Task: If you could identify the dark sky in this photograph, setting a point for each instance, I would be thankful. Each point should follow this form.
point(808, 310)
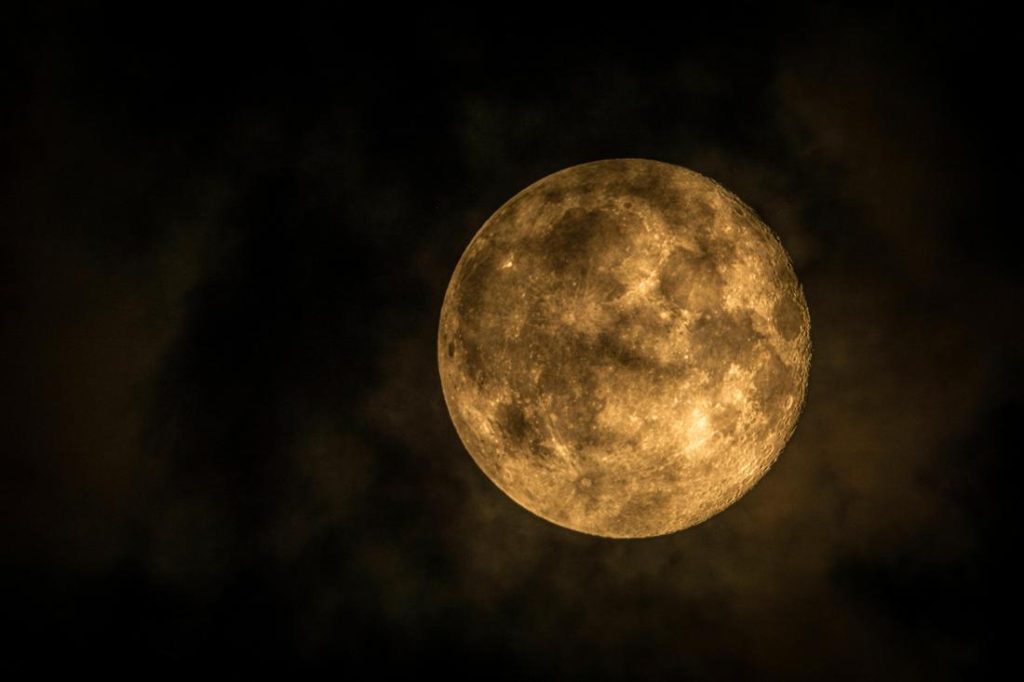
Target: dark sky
point(224, 243)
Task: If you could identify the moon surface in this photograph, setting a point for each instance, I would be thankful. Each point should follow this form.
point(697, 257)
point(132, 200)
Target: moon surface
point(624, 348)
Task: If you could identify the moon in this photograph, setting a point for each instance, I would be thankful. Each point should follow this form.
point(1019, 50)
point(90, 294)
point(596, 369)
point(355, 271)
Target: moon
point(624, 348)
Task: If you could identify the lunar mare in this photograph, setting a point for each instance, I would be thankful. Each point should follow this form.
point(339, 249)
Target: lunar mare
point(624, 348)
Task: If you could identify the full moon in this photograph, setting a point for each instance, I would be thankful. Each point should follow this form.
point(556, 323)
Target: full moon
point(624, 348)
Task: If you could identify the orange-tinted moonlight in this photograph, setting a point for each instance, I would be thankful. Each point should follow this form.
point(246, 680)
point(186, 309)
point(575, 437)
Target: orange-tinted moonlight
point(624, 348)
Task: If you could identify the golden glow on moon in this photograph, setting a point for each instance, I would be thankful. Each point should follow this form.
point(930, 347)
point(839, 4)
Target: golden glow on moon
point(624, 348)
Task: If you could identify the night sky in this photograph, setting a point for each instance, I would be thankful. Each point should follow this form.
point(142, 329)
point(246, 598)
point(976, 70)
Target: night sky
point(224, 244)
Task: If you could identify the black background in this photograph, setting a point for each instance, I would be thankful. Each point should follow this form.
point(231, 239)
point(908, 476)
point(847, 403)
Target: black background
point(224, 243)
